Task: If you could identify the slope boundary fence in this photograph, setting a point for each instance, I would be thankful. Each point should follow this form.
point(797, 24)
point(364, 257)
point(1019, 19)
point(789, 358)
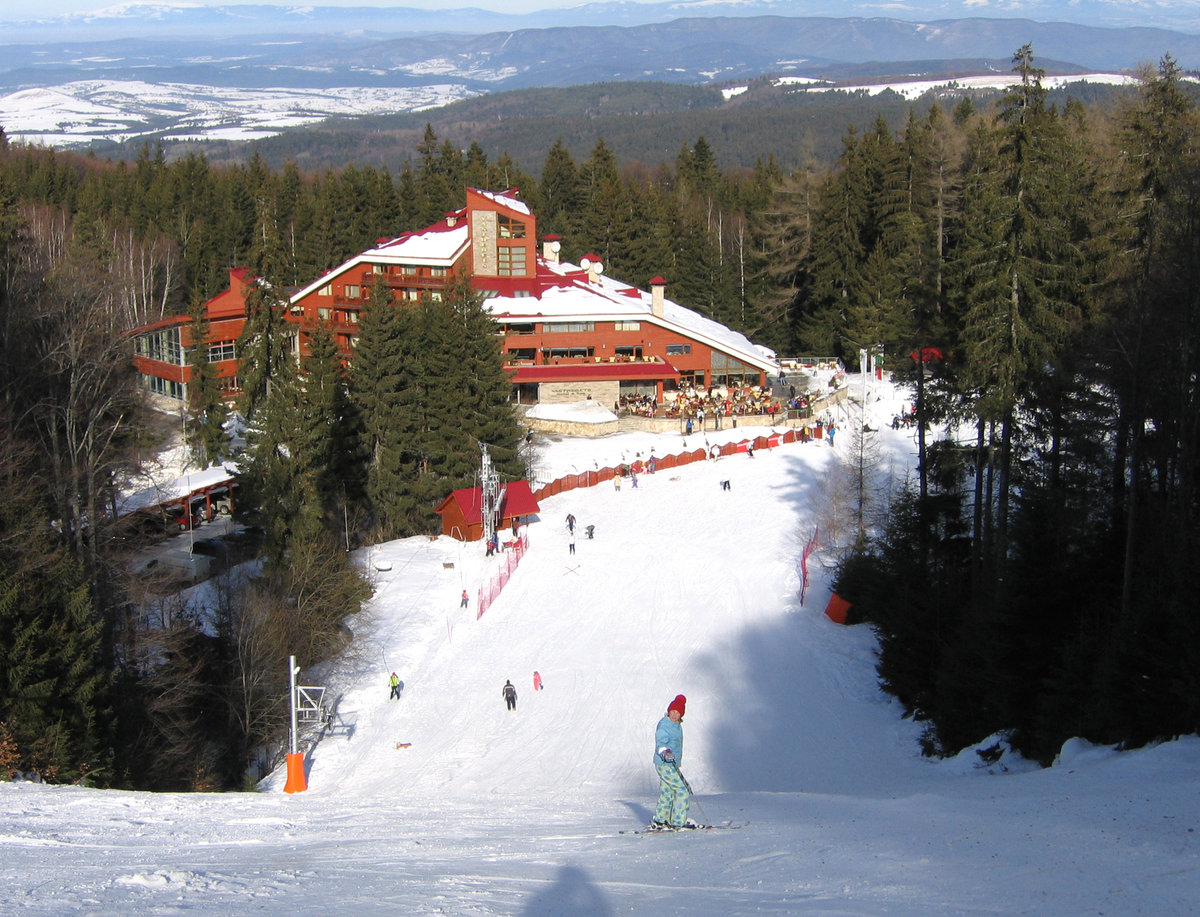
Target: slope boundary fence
point(490, 591)
point(662, 463)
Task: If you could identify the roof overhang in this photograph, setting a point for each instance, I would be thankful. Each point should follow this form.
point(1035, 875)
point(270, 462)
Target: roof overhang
point(596, 372)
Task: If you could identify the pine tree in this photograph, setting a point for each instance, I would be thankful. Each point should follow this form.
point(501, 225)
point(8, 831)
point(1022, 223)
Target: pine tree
point(1021, 262)
point(380, 376)
point(206, 404)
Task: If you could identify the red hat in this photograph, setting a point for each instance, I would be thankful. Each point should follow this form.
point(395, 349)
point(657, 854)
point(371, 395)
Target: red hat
point(678, 704)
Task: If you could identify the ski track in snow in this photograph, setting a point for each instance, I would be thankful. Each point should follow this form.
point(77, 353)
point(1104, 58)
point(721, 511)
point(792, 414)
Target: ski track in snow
point(685, 589)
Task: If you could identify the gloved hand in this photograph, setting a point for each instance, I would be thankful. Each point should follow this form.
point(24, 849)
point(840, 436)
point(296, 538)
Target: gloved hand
point(667, 755)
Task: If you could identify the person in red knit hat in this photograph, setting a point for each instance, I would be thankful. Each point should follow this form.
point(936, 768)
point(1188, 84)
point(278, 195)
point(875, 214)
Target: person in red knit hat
point(673, 796)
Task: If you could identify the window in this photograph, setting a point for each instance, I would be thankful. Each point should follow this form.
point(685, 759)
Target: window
point(326, 290)
point(510, 261)
point(161, 345)
point(627, 326)
point(221, 350)
point(676, 350)
point(568, 327)
point(165, 387)
point(437, 272)
point(324, 314)
point(408, 269)
point(508, 228)
point(560, 353)
point(353, 291)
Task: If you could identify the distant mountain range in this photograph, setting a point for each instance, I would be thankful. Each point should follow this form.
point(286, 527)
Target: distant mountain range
point(107, 88)
point(164, 19)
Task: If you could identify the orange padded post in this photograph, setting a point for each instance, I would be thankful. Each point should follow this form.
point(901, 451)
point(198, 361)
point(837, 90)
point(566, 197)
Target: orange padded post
point(296, 781)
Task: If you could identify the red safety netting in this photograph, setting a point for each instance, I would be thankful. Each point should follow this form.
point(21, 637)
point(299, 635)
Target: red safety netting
point(511, 554)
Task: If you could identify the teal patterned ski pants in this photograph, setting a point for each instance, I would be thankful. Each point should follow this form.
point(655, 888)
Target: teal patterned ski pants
point(673, 799)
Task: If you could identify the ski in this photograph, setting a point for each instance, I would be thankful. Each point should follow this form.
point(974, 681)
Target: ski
point(722, 826)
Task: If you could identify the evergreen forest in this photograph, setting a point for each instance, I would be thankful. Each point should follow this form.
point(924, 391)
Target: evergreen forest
point(1028, 265)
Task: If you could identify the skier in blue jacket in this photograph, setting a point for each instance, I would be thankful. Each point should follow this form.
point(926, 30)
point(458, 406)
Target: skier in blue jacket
point(673, 797)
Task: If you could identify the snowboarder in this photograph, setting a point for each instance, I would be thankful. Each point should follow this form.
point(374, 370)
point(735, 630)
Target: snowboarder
point(590, 531)
point(673, 797)
point(510, 695)
point(537, 681)
point(394, 682)
point(465, 599)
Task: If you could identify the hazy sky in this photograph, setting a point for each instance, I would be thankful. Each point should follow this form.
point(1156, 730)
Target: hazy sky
point(15, 10)
point(22, 9)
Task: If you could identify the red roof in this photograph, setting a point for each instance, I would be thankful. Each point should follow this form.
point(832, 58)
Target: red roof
point(516, 500)
point(595, 372)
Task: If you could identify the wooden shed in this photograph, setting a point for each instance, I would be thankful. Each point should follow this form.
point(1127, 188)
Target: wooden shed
point(462, 511)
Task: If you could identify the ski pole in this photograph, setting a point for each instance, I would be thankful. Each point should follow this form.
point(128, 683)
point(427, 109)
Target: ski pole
point(691, 793)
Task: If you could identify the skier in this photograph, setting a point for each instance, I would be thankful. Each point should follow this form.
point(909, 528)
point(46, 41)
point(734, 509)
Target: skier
point(572, 544)
point(465, 599)
point(590, 531)
point(673, 797)
point(571, 523)
point(537, 681)
point(510, 695)
point(394, 682)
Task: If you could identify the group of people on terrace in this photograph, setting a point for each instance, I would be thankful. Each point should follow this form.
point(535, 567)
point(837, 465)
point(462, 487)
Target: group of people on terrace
point(721, 402)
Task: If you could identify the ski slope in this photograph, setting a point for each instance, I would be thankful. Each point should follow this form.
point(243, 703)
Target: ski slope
point(686, 588)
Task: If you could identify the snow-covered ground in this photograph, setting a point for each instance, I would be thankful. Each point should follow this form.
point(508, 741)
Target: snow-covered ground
point(85, 111)
point(686, 588)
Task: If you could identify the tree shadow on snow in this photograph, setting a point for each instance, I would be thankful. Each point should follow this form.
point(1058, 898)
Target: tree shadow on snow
point(572, 892)
point(797, 704)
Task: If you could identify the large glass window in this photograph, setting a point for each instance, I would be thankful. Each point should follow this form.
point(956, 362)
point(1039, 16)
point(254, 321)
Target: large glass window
point(510, 261)
point(161, 345)
point(678, 350)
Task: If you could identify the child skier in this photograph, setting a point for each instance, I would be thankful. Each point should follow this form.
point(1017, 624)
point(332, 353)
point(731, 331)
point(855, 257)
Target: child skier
point(673, 797)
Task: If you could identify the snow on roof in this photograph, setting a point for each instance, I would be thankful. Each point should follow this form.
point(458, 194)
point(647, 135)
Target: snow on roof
point(439, 242)
point(568, 293)
point(574, 412)
point(180, 487)
point(505, 200)
point(440, 245)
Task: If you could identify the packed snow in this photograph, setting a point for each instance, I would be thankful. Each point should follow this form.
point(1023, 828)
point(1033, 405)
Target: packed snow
point(443, 802)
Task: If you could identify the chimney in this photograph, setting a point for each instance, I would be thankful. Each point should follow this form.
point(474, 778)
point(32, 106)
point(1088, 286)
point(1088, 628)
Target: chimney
point(593, 266)
point(658, 287)
point(550, 249)
point(452, 219)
